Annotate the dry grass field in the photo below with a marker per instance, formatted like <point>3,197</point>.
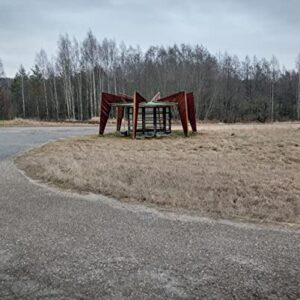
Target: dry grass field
<point>19,122</point>
<point>230,171</point>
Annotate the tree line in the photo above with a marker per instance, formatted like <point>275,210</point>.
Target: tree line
<point>69,85</point>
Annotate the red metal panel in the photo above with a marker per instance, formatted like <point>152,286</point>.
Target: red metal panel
<point>192,111</point>
<point>181,99</point>
<point>120,115</point>
<point>185,101</point>
<point>137,99</point>
<point>106,101</point>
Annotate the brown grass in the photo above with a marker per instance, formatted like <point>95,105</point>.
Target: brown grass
<point>244,171</point>
<point>19,122</point>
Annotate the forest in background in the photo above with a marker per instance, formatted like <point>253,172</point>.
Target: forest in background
<point>68,86</point>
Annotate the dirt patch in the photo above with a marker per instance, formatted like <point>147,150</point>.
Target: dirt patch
<point>244,171</point>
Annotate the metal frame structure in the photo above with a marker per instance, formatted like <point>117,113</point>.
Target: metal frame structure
<point>137,105</point>
<point>152,117</point>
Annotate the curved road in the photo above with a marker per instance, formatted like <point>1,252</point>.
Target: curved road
<point>58,245</point>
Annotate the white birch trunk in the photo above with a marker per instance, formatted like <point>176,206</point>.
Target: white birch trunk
<point>46,98</point>
<point>23,96</point>
<point>72,98</point>
<point>272,102</point>
<point>94,94</point>
<point>298,100</point>
<point>80,96</point>
<point>55,98</point>
<point>115,83</point>
<point>101,89</point>
<point>66,95</point>
<point>91,96</point>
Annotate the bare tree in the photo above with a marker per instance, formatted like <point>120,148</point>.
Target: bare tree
<point>22,73</point>
<point>89,52</point>
<point>52,74</point>
<point>225,89</point>
<point>2,73</point>
<point>42,61</point>
<point>77,65</point>
<point>298,93</point>
<point>274,78</point>
<point>64,63</point>
<point>5,99</point>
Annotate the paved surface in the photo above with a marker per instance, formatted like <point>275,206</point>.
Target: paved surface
<point>56,245</point>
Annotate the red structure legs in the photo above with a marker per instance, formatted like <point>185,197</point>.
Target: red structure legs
<point>120,115</point>
<point>181,99</point>
<point>106,101</point>
<point>191,111</point>
<point>185,102</point>
<point>137,99</point>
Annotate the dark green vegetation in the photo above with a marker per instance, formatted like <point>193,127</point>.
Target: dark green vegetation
<point>226,89</point>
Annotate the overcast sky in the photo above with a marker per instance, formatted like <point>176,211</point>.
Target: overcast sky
<point>261,27</point>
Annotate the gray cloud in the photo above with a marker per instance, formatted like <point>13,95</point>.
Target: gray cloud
<point>240,27</point>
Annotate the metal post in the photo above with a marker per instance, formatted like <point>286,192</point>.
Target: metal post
<point>170,117</point>
<point>164,120</point>
<point>154,121</point>
<point>128,119</point>
<point>143,119</point>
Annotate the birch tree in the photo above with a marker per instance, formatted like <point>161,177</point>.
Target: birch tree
<point>64,63</point>
<point>42,61</point>
<point>77,66</point>
<point>2,73</point>
<point>225,89</point>
<point>5,104</point>
<point>52,74</point>
<point>298,93</point>
<point>274,78</point>
<point>89,50</point>
<point>22,73</point>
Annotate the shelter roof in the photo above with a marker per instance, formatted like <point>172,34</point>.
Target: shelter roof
<point>145,104</point>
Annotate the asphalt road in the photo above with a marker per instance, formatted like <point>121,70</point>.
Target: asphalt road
<point>58,245</point>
